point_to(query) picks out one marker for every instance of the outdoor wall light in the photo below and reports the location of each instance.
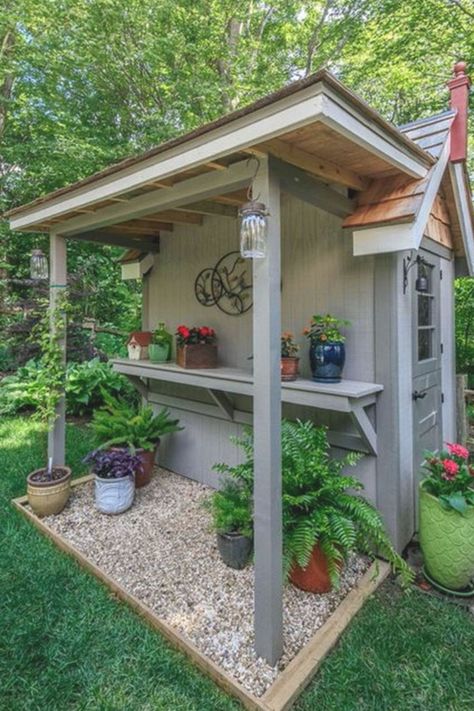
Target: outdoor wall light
(38, 265)
(421, 283)
(253, 225)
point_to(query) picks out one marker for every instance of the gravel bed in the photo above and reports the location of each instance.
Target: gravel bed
(163, 552)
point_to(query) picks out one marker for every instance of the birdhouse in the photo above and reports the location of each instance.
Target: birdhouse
(137, 345)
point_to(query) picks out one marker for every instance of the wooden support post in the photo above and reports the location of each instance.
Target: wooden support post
(267, 427)
(461, 414)
(58, 277)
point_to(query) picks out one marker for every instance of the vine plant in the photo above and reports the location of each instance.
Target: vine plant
(49, 332)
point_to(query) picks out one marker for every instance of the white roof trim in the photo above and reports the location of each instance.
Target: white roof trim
(462, 197)
(287, 114)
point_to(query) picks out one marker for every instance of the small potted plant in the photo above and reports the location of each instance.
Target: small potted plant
(289, 357)
(327, 351)
(232, 521)
(159, 350)
(447, 518)
(196, 347)
(115, 473)
(49, 488)
(119, 425)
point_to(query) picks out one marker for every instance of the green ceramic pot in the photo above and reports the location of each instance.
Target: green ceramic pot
(158, 353)
(447, 542)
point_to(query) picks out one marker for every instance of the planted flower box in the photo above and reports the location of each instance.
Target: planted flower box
(196, 347)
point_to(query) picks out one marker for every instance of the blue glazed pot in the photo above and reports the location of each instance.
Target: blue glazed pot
(327, 361)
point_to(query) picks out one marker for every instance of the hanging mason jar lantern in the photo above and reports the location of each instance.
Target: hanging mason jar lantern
(38, 265)
(253, 230)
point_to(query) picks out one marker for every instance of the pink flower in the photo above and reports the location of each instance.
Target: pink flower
(458, 450)
(451, 469)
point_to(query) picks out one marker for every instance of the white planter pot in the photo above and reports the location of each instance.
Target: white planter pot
(113, 496)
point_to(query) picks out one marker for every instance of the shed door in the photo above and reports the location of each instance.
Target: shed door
(427, 364)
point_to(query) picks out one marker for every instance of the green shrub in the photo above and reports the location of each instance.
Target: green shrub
(121, 424)
(85, 386)
(317, 505)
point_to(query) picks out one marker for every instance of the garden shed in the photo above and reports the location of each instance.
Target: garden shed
(367, 221)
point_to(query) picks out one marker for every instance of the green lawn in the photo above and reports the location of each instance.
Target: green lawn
(65, 643)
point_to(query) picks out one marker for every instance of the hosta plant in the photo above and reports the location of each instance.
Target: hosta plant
(318, 504)
(119, 424)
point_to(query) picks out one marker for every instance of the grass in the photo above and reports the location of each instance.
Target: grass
(66, 643)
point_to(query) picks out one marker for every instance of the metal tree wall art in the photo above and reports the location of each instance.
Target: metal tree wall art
(228, 285)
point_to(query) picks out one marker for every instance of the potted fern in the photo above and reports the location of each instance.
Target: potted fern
(119, 425)
(323, 522)
(232, 521)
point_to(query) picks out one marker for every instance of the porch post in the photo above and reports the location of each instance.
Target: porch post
(58, 278)
(267, 427)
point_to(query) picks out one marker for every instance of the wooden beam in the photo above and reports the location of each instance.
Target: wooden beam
(180, 216)
(58, 282)
(298, 183)
(268, 614)
(146, 244)
(215, 166)
(194, 189)
(207, 207)
(320, 167)
(140, 228)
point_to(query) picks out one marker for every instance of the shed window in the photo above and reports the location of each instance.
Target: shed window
(426, 325)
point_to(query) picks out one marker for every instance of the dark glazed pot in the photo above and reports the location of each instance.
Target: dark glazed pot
(147, 458)
(235, 549)
(327, 361)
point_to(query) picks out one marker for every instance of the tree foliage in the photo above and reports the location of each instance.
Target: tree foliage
(83, 84)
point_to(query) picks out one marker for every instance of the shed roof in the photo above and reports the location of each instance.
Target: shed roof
(321, 76)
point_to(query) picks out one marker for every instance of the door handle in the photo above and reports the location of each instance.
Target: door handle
(418, 396)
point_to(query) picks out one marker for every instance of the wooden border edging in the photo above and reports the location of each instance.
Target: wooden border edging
(291, 681)
(296, 676)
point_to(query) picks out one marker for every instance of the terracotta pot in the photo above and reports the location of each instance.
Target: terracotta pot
(147, 457)
(197, 355)
(289, 369)
(315, 577)
(47, 498)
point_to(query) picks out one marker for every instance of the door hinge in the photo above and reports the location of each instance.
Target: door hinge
(442, 398)
(441, 347)
(440, 274)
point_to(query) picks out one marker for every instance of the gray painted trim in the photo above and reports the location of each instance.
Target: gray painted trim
(433, 247)
(58, 279)
(393, 368)
(268, 543)
(146, 244)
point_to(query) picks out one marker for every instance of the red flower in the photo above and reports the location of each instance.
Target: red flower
(183, 331)
(451, 469)
(458, 450)
(204, 331)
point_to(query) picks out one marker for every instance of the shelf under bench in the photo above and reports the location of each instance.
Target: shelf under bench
(349, 396)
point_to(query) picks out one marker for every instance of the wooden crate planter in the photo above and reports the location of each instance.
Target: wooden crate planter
(198, 355)
(289, 684)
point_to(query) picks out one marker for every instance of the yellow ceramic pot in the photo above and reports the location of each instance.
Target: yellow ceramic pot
(49, 497)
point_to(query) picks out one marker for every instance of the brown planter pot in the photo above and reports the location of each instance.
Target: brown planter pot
(315, 577)
(47, 498)
(143, 477)
(197, 355)
(147, 458)
(289, 369)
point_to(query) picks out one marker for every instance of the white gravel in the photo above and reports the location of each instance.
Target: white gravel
(163, 552)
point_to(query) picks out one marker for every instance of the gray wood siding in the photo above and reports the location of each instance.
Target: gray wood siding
(319, 274)
(448, 363)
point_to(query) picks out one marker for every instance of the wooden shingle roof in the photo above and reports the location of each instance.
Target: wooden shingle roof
(399, 198)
